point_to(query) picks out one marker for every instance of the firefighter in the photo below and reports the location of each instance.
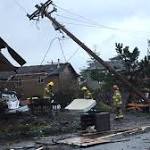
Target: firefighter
(48, 91)
(117, 102)
(87, 94)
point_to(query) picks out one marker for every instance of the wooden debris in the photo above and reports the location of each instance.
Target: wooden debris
(95, 139)
(137, 106)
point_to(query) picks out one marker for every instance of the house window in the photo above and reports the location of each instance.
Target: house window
(19, 82)
(41, 79)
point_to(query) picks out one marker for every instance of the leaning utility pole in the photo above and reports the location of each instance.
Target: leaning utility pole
(42, 11)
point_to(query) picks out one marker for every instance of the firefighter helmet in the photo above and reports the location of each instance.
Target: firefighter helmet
(51, 83)
(115, 87)
(84, 88)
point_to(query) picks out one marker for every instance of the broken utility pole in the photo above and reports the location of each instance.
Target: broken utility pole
(42, 11)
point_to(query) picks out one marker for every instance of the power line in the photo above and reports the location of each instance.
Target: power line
(50, 44)
(25, 11)
(80, 24)
(72, 55)
(20, 6)
(95, 24)
(87, 19)
(78, 20)
(61, 48)
(70, 18)
(109, 28)
(70, 12)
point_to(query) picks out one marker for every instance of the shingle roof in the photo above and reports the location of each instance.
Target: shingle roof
(40, 68)
(51, 69)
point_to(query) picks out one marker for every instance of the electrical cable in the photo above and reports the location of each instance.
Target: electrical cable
(96, 24)
(87, 19)
(73, 55)
(25, 11)
(51, 42)
(61, 48)
(70, 18)
(20, 6)
(70, 12)
(79, 24)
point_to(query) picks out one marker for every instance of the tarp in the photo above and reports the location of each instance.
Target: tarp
(82, 105)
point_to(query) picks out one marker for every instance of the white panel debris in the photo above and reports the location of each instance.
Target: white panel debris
(83, 105)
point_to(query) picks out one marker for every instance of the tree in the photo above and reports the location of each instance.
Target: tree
(97, 72)
(130, 61)
(144, 71)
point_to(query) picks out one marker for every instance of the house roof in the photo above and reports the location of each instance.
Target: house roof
(115, 64)
(118, 57)
(50, 69)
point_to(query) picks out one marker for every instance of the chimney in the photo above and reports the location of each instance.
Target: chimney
(58, 65)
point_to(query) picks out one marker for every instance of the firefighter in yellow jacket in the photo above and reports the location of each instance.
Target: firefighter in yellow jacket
(87, 94)
(117, 102)
(48, 91)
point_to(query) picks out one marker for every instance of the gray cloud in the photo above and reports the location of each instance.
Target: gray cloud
(131, 16)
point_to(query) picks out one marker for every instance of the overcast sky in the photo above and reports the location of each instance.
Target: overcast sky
(98, 23)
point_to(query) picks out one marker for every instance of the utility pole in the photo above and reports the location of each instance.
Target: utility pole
(42, 11)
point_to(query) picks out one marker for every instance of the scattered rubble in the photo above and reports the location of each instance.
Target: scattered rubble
(46, 130)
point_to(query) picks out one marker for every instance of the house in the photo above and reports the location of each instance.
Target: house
(115, 62)
(30, 81)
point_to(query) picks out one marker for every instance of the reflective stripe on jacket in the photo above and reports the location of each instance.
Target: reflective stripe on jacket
(117, 98)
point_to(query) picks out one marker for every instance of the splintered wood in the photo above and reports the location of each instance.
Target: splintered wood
(95, 139)
(83, 141)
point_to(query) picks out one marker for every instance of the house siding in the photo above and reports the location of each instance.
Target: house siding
(68, 81)
(33, 84)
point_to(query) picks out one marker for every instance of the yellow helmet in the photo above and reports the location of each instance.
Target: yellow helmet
(84, 88)
(115, 87)
(51, 83)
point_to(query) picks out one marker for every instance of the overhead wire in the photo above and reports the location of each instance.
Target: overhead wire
(80, 24)
(73, 55)
(87, 19)
(49, 47)
(70, 18)
(87, 24)
(61, 48)
(20, 6)
(25, 11)
(92, 22)
(73, 13)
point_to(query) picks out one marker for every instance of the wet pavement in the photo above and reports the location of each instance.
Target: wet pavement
(131, 120)
(136, 142)
(131, 142)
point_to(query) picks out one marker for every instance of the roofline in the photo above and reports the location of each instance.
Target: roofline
(28, 74)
